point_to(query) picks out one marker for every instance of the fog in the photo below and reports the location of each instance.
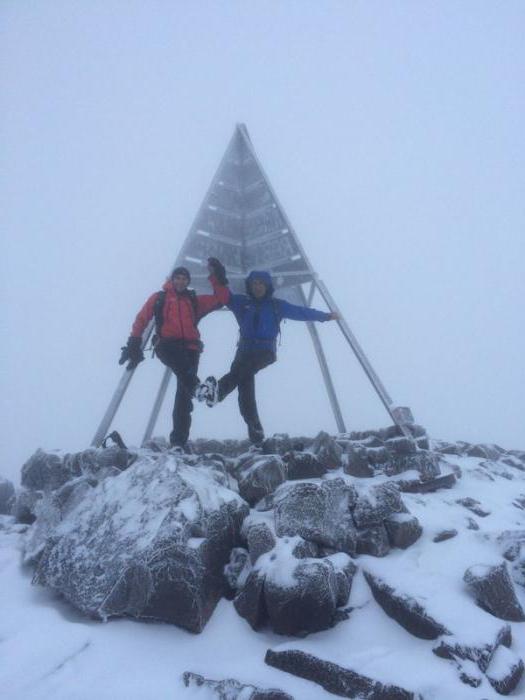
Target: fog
(393, 136)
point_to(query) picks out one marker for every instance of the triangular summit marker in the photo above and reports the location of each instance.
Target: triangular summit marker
(242, 223)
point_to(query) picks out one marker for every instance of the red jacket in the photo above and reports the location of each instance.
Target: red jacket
(179, 318)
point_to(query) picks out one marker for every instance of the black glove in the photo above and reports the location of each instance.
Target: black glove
(217, 268)
(132, 352)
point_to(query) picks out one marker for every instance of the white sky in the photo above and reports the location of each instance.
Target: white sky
(393, 135)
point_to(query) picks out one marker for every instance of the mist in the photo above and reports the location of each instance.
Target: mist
(393, 136)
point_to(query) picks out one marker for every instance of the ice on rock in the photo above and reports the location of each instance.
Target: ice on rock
(149, 543)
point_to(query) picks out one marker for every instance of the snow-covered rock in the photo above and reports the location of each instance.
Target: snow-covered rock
(493, 589)
(259, 475)
(149, 543)
(320, 513)
(230, 689)
(7, 496)
(295, 596)
(340, 681)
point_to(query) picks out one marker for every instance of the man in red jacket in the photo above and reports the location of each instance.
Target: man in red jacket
(177, 311)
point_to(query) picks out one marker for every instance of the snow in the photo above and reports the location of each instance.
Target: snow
(48, 650)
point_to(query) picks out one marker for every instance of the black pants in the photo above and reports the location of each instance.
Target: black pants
(245, 366)
(184, 364)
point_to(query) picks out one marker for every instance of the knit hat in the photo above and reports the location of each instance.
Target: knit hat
(181, 271)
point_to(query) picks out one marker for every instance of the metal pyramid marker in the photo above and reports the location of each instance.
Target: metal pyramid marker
(242, 223)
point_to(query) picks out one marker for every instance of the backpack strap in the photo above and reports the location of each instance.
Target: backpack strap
(158, 309)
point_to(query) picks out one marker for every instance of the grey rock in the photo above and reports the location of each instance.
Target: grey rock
(149, 543)
(295, 596)
(373, 540)
(474, 506)
(407, 611)
(260, 476)
(445, 535)
(492, 586)
(231, 689)
(479, 653)
(44, 471)
(236, 571)
(303, 465)
(355, 462)
(403, 530)
(505, 671)
(24, 508)
(7, 496)
(426, 463)
(260, 540)
(446, 481)
(376, 504)
(327, 451)
(335, 679)
(401, 445)
(319, 513)
(377, 455)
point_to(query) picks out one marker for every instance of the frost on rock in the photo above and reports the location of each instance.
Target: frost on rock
(512, 546)
(149, 543)
(295, 595)
(259, 475)
(340, 681)
(230, 689)
(7, 496)
(505, 670)
(319, 513)
(494, 591)
(327, 450)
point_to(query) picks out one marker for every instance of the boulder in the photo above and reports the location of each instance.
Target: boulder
(319, 513)
(512, 544)
(376, 503)
(7, 496)
(444, 535)
(373, 540)
(478, 651)
(447, 481)
(303, 465)
(494, 591)
(401, 445)
(295, 596)
(336, 679)
(236, 571)
(50, 510)
(230, 689)
(355, 462)
(407, 611)
(505, 670)
(44, 471)
(327, 451)
(25, 506)
(403, 530)
(259, 476)
(426, 463)
(260, 540)
(149, 543)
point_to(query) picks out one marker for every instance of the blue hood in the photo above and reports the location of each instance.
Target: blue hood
(260, 275)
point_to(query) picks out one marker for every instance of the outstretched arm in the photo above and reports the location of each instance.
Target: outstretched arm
(303, 313)
(221, 293)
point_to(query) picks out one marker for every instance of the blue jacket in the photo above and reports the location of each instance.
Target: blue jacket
(259, 319)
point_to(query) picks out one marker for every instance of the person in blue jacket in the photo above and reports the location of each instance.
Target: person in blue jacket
(259, 315)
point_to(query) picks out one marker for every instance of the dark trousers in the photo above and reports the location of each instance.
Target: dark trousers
(184, 364)
(245, 366)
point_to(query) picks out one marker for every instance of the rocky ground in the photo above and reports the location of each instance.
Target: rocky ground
(364, 565)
